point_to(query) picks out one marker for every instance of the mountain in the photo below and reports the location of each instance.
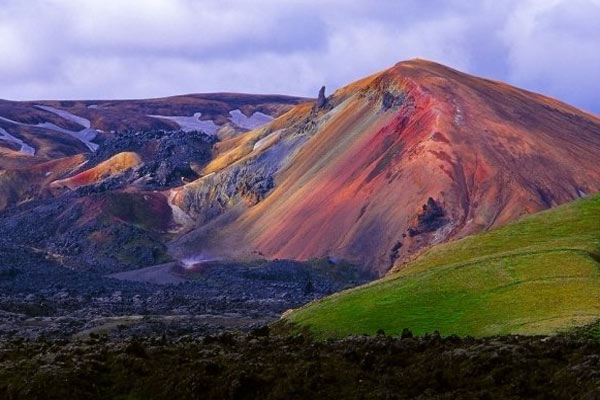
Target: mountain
(36, 131)
(416, 172)
(539, 275)
(387, 166)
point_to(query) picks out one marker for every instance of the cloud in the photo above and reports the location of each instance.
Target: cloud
(147, 48)
(553, 47)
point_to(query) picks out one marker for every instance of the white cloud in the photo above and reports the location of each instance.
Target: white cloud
(554, 46)
(144, 48)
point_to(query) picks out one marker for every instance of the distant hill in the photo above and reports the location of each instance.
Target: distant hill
(37, 131)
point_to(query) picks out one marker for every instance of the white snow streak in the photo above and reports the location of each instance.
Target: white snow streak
(254, 121)
(25, 148)
(188, 124)
(86, 135)
(68, 116)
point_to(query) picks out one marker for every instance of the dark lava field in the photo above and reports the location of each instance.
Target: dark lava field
(266, 365)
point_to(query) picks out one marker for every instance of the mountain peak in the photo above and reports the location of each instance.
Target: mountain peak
(408, 157)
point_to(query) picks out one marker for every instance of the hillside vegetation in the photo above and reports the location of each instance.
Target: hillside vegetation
(539, 275)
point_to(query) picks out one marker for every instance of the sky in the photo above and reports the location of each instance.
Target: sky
(108, 49)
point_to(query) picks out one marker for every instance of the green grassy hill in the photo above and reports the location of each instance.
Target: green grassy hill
(538, 275)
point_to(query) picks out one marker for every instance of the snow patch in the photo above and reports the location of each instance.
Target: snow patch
(25, 148)
(188, 124)
(14, 122)
(68, 116)
(86, 135)
(254, 121)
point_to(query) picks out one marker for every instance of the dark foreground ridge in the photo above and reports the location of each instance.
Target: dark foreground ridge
(259, 366)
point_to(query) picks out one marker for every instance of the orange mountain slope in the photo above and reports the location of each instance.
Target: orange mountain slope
(31, 182)
(408, 157)
(116, 164)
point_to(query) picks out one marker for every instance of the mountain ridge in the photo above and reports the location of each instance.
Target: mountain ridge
(50, 129)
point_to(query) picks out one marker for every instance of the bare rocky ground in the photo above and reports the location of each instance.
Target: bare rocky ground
(133, 232)
(62, 258)
(263, 366)
(94, 260)
(39, 297)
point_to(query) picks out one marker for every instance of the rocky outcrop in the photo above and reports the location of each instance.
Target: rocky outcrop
(254, 188)
(430, 219)
(391, 100)
(321, 99)
(214, 194)
(167, 157)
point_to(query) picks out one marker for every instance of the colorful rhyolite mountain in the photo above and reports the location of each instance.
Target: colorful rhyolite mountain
(409, 157)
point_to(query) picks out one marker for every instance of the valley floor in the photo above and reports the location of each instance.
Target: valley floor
(40, 298)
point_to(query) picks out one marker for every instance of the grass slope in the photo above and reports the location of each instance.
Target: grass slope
(538, 275)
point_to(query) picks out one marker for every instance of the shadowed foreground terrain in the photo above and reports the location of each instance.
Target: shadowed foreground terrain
(296, 367)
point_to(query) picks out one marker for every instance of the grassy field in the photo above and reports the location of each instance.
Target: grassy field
(539, 275)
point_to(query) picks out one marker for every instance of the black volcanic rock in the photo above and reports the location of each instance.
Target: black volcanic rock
(390, 100)
(430, 219)
(261, 366)
(321, 100)
(167, 155)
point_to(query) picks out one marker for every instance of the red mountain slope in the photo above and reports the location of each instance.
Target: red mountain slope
(411, 156)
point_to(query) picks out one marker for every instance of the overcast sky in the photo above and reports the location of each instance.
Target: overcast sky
(59, 49)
